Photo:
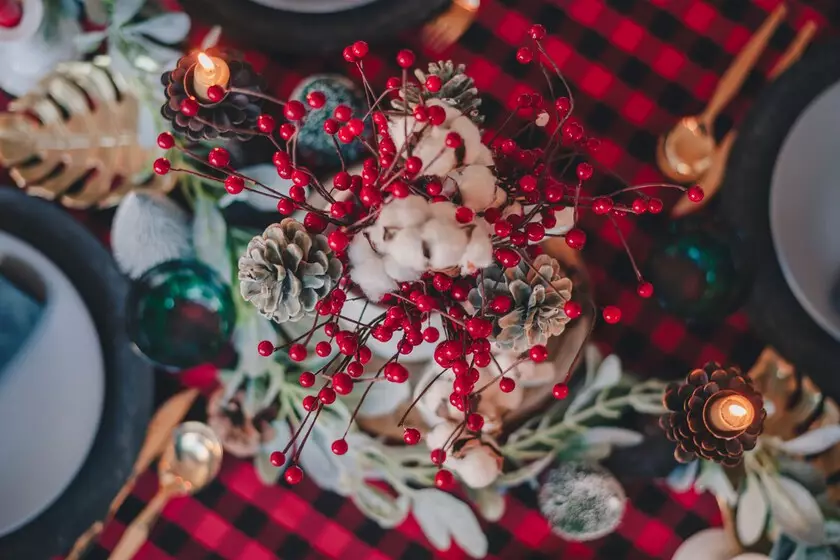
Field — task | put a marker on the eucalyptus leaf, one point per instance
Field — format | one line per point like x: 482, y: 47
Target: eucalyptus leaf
x: 251, y: 329
x: 682, y: 477
x: 607, y: 374
x: 612, y: 436
x: 125, y: 10
x: 528, y: 472
x: 386, y: 510
x: 267, y: 175
x: 317, y: 460
x: 812, y: 442
x: 268, y: 473
x: 210, y: 237
x: 444, y: 518
x: 166, y: 28
x: 713, y: 479
x: 794, y: 509
x: 751, y: 515
x: 384, y: 398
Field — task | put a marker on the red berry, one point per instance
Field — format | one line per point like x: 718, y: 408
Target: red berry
x: 426, y: 303
x: 331, y: 126
x: 405, y: 58
x: 413, y: 165
x: 501, y: 304
x: 639, y: 206
x: 602, y: 205
x: 654, y: 206
x: 218, y: 157
x: 326, y: 395
x: 216, y: 93
x: 277, y: 458
x: 536, y: 32
x: 437, y: 115
x: 345, y: 135
x: 338, y: 240
x: 349, y: 55
x: 306, y: 379
x: 478, y: 327
x: 162, y: 166
x: 287, y: 131
x: 396, y: 372
x: 503, y: 228
x: 506, y: 384
x: 411, y: 436
x: 475, y: 422
x: 364, y: 354
x: 507, y: 257
x: 297, y: 352
x: 612, y: 314
x: 294, y: 110
x: 528, y: 183
x: 459, y: 292
x: 695, y: 193
x: 464, y: 215
x: 535, y: 231
x: 572, y: 309
x: 300, y: 178
x: 482, y: 359
x: 323, y: 348
x: 285, y: 206
x: 393, y: 83
x: 310, y: 403
x: 524, y: 55
x: 538, y: 353
x: 355, y: 369
x: 265, y: 123
x: 360, y: 49
x: 356, y: 126
x: 294, y: 475
x: 576, y: 238
x: 644, y: 289
x: 314, y: 223
x: 234, y: 184
x: 442, y: 282
x: 189, y: 107
x: 339, y: 446
x: 584, y: 171
x: 316, y: 99
x: 400, y: 189
x: 265, y: 348
x: 342, y: 383
x: 444, y: 479
x: 165, y: 140
x: 431, y: 334
x: 438, y: 456
x: 560, y: 391
x: 454, y: 140
x: 434, y: 83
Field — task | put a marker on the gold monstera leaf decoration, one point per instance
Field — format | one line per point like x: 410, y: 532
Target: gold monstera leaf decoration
x: 74, y: 139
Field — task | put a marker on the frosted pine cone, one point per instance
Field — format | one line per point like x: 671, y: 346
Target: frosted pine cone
x: 685, y: 424
x: 536, y: 313
x: 457, y: 90
x: 286, y: 271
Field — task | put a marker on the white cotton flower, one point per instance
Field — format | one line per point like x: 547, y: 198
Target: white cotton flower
x: 478, y: 188
x: 479, y: 251
x: 368, y: 269
x: 437, y: 436
x: 484, y: 157
x: 445, y: 242
x: 404, y: 212
x: 480, y: 465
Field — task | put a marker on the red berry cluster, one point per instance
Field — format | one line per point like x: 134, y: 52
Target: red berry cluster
x: 530, y: 180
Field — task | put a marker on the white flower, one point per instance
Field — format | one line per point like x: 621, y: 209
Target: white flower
x: 477, y: 463
x: 478, y: 188
x: 369, y: 269
x: 527, y: 373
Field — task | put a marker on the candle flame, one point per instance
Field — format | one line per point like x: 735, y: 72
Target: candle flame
x: 737, y: 410
x: 205, y: 61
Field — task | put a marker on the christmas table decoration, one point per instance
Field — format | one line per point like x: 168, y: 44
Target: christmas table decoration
x: 440, y: 221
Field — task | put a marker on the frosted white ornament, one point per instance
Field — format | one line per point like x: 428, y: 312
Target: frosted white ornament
x: 149, y: 229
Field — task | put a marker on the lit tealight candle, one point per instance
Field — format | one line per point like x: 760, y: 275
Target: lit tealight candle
x: 728, y: 414
x: 210, y: 71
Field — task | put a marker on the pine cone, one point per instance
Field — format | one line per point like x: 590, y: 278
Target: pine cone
x: 286, y: 271
x: 537, y: 311
x: 458, y: 90
x: 686, y: 425
x: 236, y: 110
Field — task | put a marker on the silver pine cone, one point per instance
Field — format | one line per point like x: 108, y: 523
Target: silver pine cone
x: 537, y: 311
x: 286, y: 271
x: 458, y: 90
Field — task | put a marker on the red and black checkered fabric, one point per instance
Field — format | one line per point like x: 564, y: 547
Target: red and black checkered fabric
x: 637, y: 65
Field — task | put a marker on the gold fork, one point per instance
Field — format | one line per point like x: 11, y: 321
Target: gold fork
x: 448, y: 27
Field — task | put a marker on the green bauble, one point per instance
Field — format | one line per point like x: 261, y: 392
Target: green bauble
x: 697, y: 274
x: 581, y: 501
x: 181, y: 314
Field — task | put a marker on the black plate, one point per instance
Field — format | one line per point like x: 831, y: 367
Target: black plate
x: 775, y: 313
x: 128, y: 384
x: 278, y: 31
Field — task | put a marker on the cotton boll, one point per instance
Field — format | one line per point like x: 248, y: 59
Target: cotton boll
x: 437, y: 158
x: 477, y: 186
x: 512, y: 209
x: 368, y: 270
x: 405, y: 212
x: 399, y: 127
x: 471, y: 137
x: 483, y: 157
x: 443, y: 211
x: 406, y: 248
x: 438, y: 435
x: 445, y: 241
x: 399, y: 272
x: 479, y: 467
x: 451, y: 112
x: 479, y: 251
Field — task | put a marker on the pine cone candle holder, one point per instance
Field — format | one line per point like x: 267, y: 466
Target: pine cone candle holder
x: 286, y: 271
x: 445, y: 81
x: 232, y: 116
x: 716, y: 414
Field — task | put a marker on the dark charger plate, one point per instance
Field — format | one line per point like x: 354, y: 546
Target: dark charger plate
x: 128, y: 384
x: 279, y: 31
x: 774, y: 311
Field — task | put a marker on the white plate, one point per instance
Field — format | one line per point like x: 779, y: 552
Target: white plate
x: 51, y: 396
x: 314, y: 6
x: 805, y: 208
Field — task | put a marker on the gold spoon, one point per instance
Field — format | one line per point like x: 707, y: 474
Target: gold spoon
x: 685, y: 153
x: 712, y: 180
x: 190, y: 463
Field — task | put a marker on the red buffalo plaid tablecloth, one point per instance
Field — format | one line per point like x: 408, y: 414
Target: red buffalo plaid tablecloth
x: 636, y: 66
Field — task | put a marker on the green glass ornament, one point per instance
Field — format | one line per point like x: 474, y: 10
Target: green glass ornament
x: 697, y: 273
x: 181, y: 314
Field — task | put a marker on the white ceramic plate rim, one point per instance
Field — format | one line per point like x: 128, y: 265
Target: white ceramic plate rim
x: 315, y: 6
x: 795, y: 220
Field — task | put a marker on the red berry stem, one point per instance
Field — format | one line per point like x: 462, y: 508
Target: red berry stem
x: 296, y: 456
x: 393, y: 358
x: 297, y: 432
x: 438, y: 311
x: 648, y: 186
x: 259, y: 94
x: 626, y: 247
x: 420, y: 396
